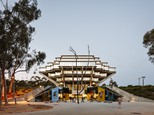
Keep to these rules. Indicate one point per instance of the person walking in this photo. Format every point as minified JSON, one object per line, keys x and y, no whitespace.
{"x":119,"y":101}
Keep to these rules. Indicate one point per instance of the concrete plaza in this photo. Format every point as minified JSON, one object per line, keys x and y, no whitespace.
{"x":95,"y":108}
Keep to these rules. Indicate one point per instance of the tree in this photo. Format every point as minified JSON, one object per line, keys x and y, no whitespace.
{"x":82,"y":77}
{"x":15,"y":38}
{"x":5,"y":54}
{"x":148,"y":41}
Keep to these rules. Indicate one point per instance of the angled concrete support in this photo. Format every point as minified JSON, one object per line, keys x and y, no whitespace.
{"x":100,"y":83}
{"x":57,"y":84}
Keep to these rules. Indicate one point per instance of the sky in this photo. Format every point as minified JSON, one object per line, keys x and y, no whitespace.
{"x":113,"y":29}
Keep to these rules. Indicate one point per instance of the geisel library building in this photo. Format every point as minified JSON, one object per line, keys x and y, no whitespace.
{"x":85,"y":70}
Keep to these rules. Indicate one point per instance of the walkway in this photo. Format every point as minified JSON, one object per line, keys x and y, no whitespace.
{"x":95,"y":108}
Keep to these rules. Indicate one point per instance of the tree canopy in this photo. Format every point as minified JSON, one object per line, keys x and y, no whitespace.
{"x":148,"y":41}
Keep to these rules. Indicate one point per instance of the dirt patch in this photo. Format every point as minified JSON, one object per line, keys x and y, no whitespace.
{"x":19,"y":108}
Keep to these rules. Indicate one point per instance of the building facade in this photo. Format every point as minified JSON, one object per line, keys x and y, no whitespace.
{"x":77,"y":72}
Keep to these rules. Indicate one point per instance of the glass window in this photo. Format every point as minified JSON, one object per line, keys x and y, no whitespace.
{"x":75,"y":87}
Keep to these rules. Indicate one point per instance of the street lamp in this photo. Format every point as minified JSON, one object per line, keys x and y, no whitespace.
{"x":143,"y":80}
{"x":74,"y":52}
{"x":143,"y":77}
{"x":139,"y":81}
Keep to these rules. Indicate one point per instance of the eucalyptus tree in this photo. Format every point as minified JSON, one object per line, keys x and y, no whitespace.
{"x":15,"y":38}
{"x":5,"y":49}
{"x":148,"y":41}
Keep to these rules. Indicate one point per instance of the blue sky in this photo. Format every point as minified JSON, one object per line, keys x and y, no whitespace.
{"x":113,"y":29}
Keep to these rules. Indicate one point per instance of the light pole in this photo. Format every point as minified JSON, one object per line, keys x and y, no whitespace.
{"x":74,"y":52}
{"x":139,"y":81}
{"x":143,"y":80}
{"x":142,"y":84}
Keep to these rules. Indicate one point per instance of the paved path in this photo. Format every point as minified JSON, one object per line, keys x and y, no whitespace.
{"x":94,"y":108}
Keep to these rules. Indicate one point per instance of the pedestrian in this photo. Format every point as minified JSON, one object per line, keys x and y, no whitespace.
{"x":82,"y":99}
{"x":119,"y":101}
{"x":111,"y":83}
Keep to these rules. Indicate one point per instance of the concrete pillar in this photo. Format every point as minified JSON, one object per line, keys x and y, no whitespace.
{"x":91,"y":76}
{"x":63,"y":76}
{"x":72,"y":79}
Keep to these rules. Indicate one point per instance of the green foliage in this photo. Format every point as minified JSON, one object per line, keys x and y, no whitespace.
{"x":32,"y":84}
{"x":147,"y":91}
{"x":37,"y":57}
{"x":16,"y":35}
{"x":148,"y":41}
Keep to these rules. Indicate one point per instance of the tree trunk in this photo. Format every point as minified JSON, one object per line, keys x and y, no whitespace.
{"x":11,"y":84}
{"x":5,"y":88}
{"x":12,"y":79}
{"x":0,"y":88}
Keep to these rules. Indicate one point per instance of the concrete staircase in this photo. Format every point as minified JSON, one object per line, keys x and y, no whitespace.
{"x":128,"y":97}
{"x":29,"y":96}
